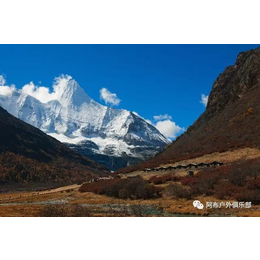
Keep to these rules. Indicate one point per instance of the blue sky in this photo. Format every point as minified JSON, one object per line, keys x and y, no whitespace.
{"x":151,"y":80}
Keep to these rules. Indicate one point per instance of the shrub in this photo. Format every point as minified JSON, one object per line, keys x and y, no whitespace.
{"x":225,"y":190}
{"x":167,"y":177}
{"x":248,"y":196}
{"x":176,"y":178}
{"x":254,"y":184}
{"x":177,"y":191}
{"x":124,"y":194}
{"x":132,"y":188}
{"x":156,"y":180}
{"x":204,"y":185}
{"x":187,"y":180}
{"x":237,"y":177}
{"x":242,"y":172}
{"x":97,"y":187}
{"x":144,"y":191}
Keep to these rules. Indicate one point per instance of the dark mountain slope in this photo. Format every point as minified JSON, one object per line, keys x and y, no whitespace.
{"x":231,"y":119}
{"x":27,"y":154}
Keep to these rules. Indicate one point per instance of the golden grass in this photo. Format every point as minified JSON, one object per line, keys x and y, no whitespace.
{"x":226,"y":157}
{"x":171,"y":206}
{"x":20,"y":210}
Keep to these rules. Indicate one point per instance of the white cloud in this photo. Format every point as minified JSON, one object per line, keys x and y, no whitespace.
{"x":162,"y":117}
{"x":204,"y":99}
{"x":2,"y":80}
{"x":169,"y":128}
{"x":4,"y":89}
{"x":43,"y":93}
{"x":108,"y":97}
{"x":165,"y":125}
{"x":60,"y":83}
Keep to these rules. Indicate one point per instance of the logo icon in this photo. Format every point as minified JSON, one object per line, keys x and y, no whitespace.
{"x":197,"y":204}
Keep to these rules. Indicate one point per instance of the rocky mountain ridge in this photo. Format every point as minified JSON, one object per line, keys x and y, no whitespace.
{"x":231,"y":119}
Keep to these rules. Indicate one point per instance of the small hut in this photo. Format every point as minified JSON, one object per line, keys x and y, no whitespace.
{"x":190,"y":173}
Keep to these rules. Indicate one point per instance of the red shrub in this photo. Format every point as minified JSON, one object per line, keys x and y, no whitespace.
{"x":132,"y":188}
{"x":187,"y":180}
{"x":224,"y":190}
{"x":163,"y":179}
{"x":254,"y":184}
{"x":156,"y":180}
{"x":248,"y":196}
{"x":98,"y":187}
{"x":166,"y":177}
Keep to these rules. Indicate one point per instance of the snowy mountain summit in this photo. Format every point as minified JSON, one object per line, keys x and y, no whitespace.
{"x":113,"y":137}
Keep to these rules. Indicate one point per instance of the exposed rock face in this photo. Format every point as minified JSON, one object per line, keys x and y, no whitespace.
{"x":27,"y":154}
{"x":231,"y":119}
{"x":235,"y":81}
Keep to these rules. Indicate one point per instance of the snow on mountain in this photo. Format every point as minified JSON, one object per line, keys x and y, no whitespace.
{"x":71,"y":116}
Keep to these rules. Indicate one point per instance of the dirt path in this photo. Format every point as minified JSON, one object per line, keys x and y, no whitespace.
{"x":11,"y":197}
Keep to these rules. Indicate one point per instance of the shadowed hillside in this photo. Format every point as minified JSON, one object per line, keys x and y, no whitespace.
{"x":27,"y":154}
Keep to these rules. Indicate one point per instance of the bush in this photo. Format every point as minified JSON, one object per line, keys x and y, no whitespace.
{"x":156,"y":180}
{"x":124,"y":194}
{"x":225,"y":190}
{"x":144,"y":191}
{"x":254,"y":184}
{"x":132,"y":188}
{"x":187,"y":180}
{"x":177,"y":191}
{"x":241,"y":172}
{"x":98,"y":187}
{"x":249,"y":196}
{"x":204,"y":186}
{"x":238,"y":176}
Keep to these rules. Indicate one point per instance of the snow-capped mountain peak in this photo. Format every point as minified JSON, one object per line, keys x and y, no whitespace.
{"x":69,"y":92}
{"x":71,"y":116}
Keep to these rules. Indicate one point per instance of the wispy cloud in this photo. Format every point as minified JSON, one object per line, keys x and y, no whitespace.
{"x":162,"y":117}
{"x":204,"y":100}
{"x":2,"y":80}
{"x":108,"y":97}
